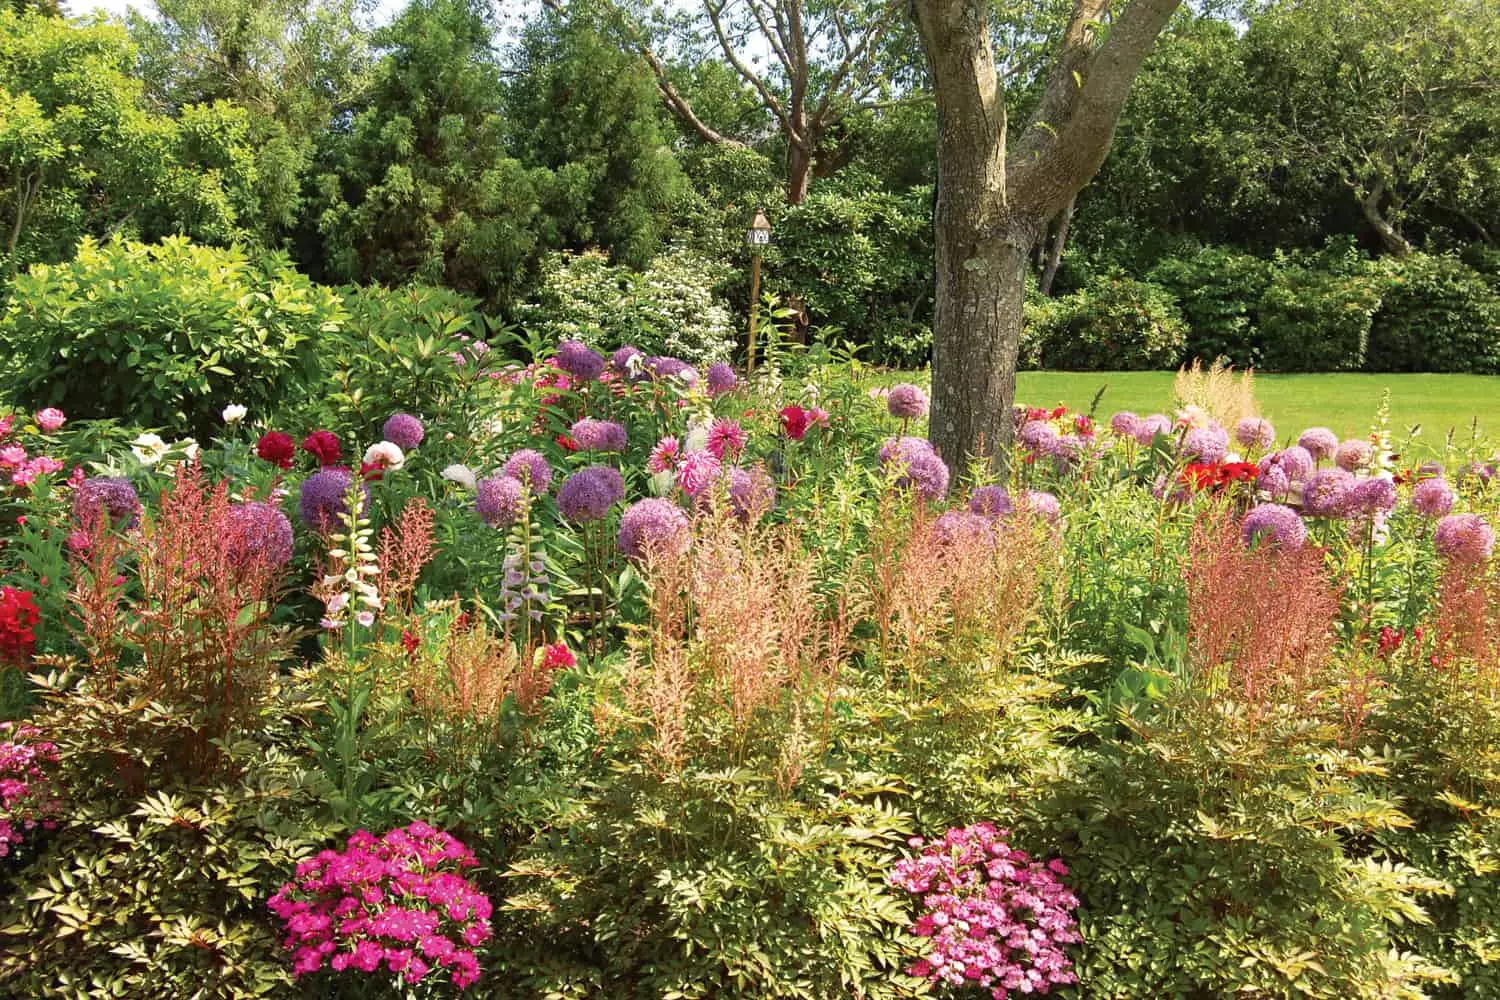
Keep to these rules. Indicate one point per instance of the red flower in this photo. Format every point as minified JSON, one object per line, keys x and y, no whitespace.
{"x":794,"y":421}
{"x":1390,"y":640}
{"x":557,"y":656}
{"x":567,"y":443}
{"x":410,"y":642}
{"x":324,"y":446}
{"x":18,"y":617}
{"x":1083,"y":425}
{"x":371,"y":472}
{"x":277,"y":448}
{"x":1036,"y":413}
{"x":1059,"y":412}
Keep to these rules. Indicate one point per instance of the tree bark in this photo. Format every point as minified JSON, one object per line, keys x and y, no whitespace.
{"x":799,"y":163}
{"x":1391,"y":240}
{"x":1059,"y":243}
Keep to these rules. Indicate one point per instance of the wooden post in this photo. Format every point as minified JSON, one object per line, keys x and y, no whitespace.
{"x":754,"y":306}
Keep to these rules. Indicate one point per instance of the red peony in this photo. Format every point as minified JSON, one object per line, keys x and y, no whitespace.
{"x":794,"y":421}
{"x":18,"y":618}
{"x":277,"y":448}
{"x":324,"y":446}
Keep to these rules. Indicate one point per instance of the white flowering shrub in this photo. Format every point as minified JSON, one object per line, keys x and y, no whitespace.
{"x":670,"y":308}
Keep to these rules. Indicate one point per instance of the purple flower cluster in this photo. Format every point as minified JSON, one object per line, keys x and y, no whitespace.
{"x":1327,"y":493}
{"x":1353,"y":455}
{"x":751,"y":492}
{"x":1205,"y":444}
{"x":963,"y":527}
{"x":1432,"y":498}
{"x":109,"y":495}
{"x":674,"y":368}
{"x":720,"y":379}
{"x":1253,"y":432}
{"x":30,"y":798}
{"x":917,"y":466}
{"x":399,"y":901}
{"x":1157,"y":423}
{"x":256,"y":532}
{"x":323,"y":500}
{"x":1040,"y":503}
{"x":906,"y":402}
{"x":1126,"y":424}
{"x":1276,"y":524}
{"x":404,"y":431}
{"x":1320,"y":442}
{"x":501,"y":501}
{"x":654,"y":527}
{"x":1373,"y":497}
{"x":993,"y":917}
{"x":991,"y":501}
{"x":621,"y":359}
{"x":531,"y":468}
{"x":588,"y":494}
{"x":523,"y":588}
{"x":1297,"y":462}
{"x":1464,"y":539}
{"x":1039,"y":436}
{"x":579,"y":360}
{"x":598,"y":435}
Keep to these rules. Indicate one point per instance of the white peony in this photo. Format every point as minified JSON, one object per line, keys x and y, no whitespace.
{"x":234,"y":413}
{"x":149,"y":448}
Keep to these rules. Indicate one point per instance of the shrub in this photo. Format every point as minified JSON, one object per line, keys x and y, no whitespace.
{"x":1217,"y":289}
{"x":1315,"y":314}
{"x":1436,"y":315}
{"x":167,"y":333}
{"x":1112,"y":323}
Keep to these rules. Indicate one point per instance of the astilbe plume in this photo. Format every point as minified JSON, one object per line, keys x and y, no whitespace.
{"x":30,"y":796}
{"x":1260,"y":620}
{"x":992,"y":916}
{"x":398,"y":904}
{"x":1467,"y":622}
{"x":404,"y":551}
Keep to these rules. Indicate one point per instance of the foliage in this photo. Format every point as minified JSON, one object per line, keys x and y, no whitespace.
{"x":1315,"y":314}
{"x":166,"y":333}
{"x":1113,"y":323}
{"x":1218,"y":289}
{"x":1435,"y":315}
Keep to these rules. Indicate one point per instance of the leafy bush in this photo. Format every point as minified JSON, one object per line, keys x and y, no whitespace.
{"x":166,"y":333}
{"x":1315,"y":314}
{"x":1113,"y":323}
{"x":670,"y":308}
{"x":1436,"y":315}
{"x":1217,"y":289}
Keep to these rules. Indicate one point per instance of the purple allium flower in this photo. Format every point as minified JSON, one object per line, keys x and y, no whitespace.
{"x":1295,"y":461}
{"x":1320,"y":442}
{"x":751,"y":492}
{"x":1126,"y":424}
{"x":991,"y":501}
{"x":1204,"y":444}
{"x":622,"y":358}
{"x":598,"y":435}
{"x":588,"y":494}
{"x":258,"y":532}
{"x":579,"y":360}
{"x":1432,"y":498}
{"x":697,"y":472}
{"x":1041,"y":504}
{"x":664,"y":367}
{"x":1373,"y":496}
{"x":1274,"y":481}
{"x":906,"y":402}
{"x":918,"y":466}
{"x":404,"y":431}
{"x":1274,"y":523}
{"x":1253,"y":432}
{"x":111,"y":495}
{"x":903,"y":448}
{"x":500,"y":501}
{"x":1038,"y":435}
{"x":531,"y":468}
{"x":720,"y":379}
{"x":1157,"y":423}
{"x":1464,"y":539}
{"x":1327,"y":493}
{"x":322,"y":503}
{"x":963,"y":527}
{"x":1483,"y":471}
{"x":654,"y":527}
{"x":1353,"y":455}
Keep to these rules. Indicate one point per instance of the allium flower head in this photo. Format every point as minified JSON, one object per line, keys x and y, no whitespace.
{"x":697,"y":472}
{"x":1295,"y":461}
{"x":991,"y":501}
{"x":579,"y":360}
{"x":1320,"y":442}
{"x":277,"y":448}
{"x":1126,"y":424}
{"x":720,"y":379}
{"x":1157,"y":423}
{"x":1373,"y":496}
{"x":1432,"y":498}
{"x":963,"y":527}
{"x":531,"y":468}
{"x":1327,"y":493}
{"x":258,"y":532}
{"x":598,"y":435}
{"x":1038,"y":435}
{"x":322,"y":503}
{"x":404,"y":431}
{"x":654,"y":527}
{"x":751,"y":492}
{"x":726,"y":439}
{"x":1205,"y":444}
{"x":1464,"y":539}
{"x":1353,"y":455}
{"x":1253,"y":432}
{"x":1041,"y":504}
{"x":625,"y":359}
{"x":1274,"y":480}
{"x":107,"y":495}
{"x":588,"y":494}
{"x":671,"y":368}
{"x":1275,"y":524}
{"x":918,"y":467}
{"x":906,"y":402}
{"x":50,"y":419}
{"x":500,"y":501}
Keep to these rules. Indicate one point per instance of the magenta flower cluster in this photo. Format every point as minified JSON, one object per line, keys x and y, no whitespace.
{"x":397,"y":903}
{"x":993,"y":917}
{"x":29,"y":796}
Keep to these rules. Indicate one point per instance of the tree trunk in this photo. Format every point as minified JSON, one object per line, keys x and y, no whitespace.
{"x":1059,"y":243}
{"x":1391,"y":241}
{"x":799,"y":164}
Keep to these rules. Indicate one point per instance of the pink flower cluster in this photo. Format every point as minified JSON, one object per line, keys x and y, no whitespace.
{"x":397,"y":901}
{"x":29,"y":796}
{"x":995,"y":918}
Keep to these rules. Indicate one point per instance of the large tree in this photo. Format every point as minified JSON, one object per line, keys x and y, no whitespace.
{"x":997,"y":193}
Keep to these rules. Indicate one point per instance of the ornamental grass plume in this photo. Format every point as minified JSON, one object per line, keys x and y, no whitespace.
{"x":1261,"y":620}
{"x":992,"y":917}
{"x":405,"y":549}
{"x":398,"y":905}
{"x":1226,"y":396}
{"x":464,"y":673}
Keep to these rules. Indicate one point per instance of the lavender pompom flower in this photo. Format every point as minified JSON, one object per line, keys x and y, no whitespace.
{"x":1274,"y":523}
{"x":1295,"y":461}
{"x":588,"y":494}
{"x":673,"y":368}
{"x":579,"y":360}
{"x":1327,"y":493}
{"x":1253,"y":432}
{"x":1039,"y":436}
{"x":258,"y":532}
{"x":1041,"y":504}
{"x":1126,"y":424}
{"x":918,"y":466}
{"x":1464,"y":539}
{"x":1320,"y":442}
{"x":959,"y":527}
{"x":903,"y":448}
{"x":404,"y":431}
{"x":1203,"y":444}
{"x":654,"y":527}
{"x":1274,"y":481}
{"x":531,"y":468}
{"x":322,"y":503}
{"x":906,"y":402}
{"x":720,"y":379}
{"x":1353,"y":455}
{"x":1157,"y":423}
{"x":751,"y":493}
{"x":1372,"y":497}
{"x":501,"y":501}
{"x":990,"y":501}
{"x":1432,"y":498}
{"x":598,"y":435}
{"x":624,"y":358}
{"x":109,"y":495}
